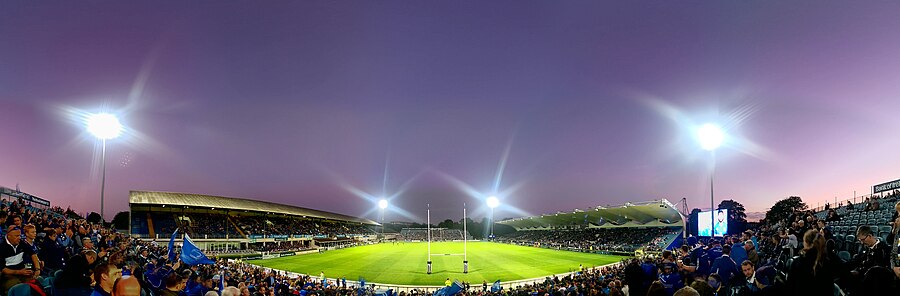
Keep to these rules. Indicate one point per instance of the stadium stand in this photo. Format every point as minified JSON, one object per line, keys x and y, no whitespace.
{"x":625,"y":240}
{"x":831,"y":252}
{"x":437,"y":234}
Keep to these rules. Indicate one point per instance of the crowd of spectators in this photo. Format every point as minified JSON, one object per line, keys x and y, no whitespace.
{"x":51,"y":251}
{"x":219,"y":225}
{"x":260,"y":225}
{"x":595,"y":239}
{"x":437,"y":234}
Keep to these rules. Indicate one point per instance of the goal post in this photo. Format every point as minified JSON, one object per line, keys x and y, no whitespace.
{"x":465,"y":253}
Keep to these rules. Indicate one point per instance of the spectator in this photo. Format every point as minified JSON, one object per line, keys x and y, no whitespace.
{"x":715,"y":282}
{"x":724,"y":266}
{"x":738,"y":253}
{"x":670,"y":279}
{"x":753,"y":284}
{"x":703,"y":288}
{"x":231,"y":291}
{"x":105,"y":275}
{"x":127,"y":286}
{"x":31,"y":250}
{"x":812,"y":272}
{"x":13,"y":254}
{"x":687,"y":291}
{"x":174,"y":282}
{"x":656,"y":289}
{"x":51,"y":252}
{"x":634,"y":278}
{"x":875,"y":252}
{"x":75,"y":278}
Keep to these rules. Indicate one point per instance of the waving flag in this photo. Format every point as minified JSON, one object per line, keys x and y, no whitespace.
{"x":172,"y":246}
{"x":192,"y":255}
{"x":222,"y":282}
{"x":496,"y":287}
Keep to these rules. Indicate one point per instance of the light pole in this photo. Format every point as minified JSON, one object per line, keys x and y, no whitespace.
{"x":710,"y":137}
{"x":492,"y":202}
{"x":383,"y":204}
{"x":103,"y":126}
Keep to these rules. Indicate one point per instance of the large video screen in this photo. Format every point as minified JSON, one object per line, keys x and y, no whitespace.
{"x":716,"y":222}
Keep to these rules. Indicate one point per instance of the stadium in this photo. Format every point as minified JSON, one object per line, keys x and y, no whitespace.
{"x":449,"y":148}
{"x":340,"y":253}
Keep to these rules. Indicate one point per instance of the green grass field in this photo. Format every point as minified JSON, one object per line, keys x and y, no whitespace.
{"x":404,"y":263}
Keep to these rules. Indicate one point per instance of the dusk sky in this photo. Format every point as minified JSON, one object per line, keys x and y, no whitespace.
{"x":295,"y":102}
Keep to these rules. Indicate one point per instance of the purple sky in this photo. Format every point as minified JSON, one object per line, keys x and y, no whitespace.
{"x":285,"y":101}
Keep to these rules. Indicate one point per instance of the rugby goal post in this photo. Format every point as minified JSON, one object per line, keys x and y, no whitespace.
{"x":465,"y":253}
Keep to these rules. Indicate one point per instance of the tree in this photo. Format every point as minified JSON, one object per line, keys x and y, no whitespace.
{"x":737,"y":218}
{"x":784,"y":208}
{"x":736,"y":212}
{"x":120,"y":221}
{"x":446,"y":224}
{"x":72,"y":214}
{"x":695,"y":211}
{"x":93,"y":217}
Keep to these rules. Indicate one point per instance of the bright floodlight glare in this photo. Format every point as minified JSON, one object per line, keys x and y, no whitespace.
{"x":710,"y":136}
{"x":382,"y":204}
{"x":493,"y":202}
{"x":104,"y":126}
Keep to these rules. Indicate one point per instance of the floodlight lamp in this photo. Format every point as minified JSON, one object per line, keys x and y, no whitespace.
{"x":383,"y":204}
{"x":104,"y":126}
{"x":710,"y":136}
{"x":493,"y":202}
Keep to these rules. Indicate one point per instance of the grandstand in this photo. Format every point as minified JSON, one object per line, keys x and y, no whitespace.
{"x":235,"y":223}
{"x":437,"y":234}
{"x":850,"y":217}
{"x":603,"y":228}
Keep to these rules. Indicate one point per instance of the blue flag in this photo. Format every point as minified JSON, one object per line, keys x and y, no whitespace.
{"x":451,"y":290}
{"x":496,"y":287}
{"x":192,"y":255}
{"x":172,"y":246}
{"x":361,"y":290}
{"x":222,"y":282}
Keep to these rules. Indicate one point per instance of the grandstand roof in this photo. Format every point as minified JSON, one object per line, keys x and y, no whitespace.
{"x":659,"y":213}
{"x":219,"y":202}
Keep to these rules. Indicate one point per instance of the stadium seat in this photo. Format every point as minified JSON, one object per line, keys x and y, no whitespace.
{"x":20,"y":290}
{"x":850,"y":240}
{"x":886,"y":228}
{"x":844,"y":255}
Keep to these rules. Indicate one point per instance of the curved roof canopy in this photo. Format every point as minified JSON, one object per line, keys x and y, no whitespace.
{"x":659,"y":213}
{"x":219,"y":202}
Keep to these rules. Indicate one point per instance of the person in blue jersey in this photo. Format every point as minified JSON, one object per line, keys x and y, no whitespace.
{"x":724,"y":266}
{"x":715,"y":250}
{"x":650,"y":270}
{"x":670,"y":279}
{"x":699,"y":257}
{"x":738,"y":253}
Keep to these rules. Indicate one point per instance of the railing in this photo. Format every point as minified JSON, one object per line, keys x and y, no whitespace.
{"x":856,"y":201}
{"x":509,"y":285}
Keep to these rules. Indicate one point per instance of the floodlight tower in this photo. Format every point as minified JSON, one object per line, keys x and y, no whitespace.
{"x":104,"y":126}
{"x":711,"y":137}
{"x":492,"y":202}
{"x":383,"y":204}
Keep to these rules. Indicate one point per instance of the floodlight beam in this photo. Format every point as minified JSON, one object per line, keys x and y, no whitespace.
{"x":710,"y":136}
{"x":104,"y":126}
